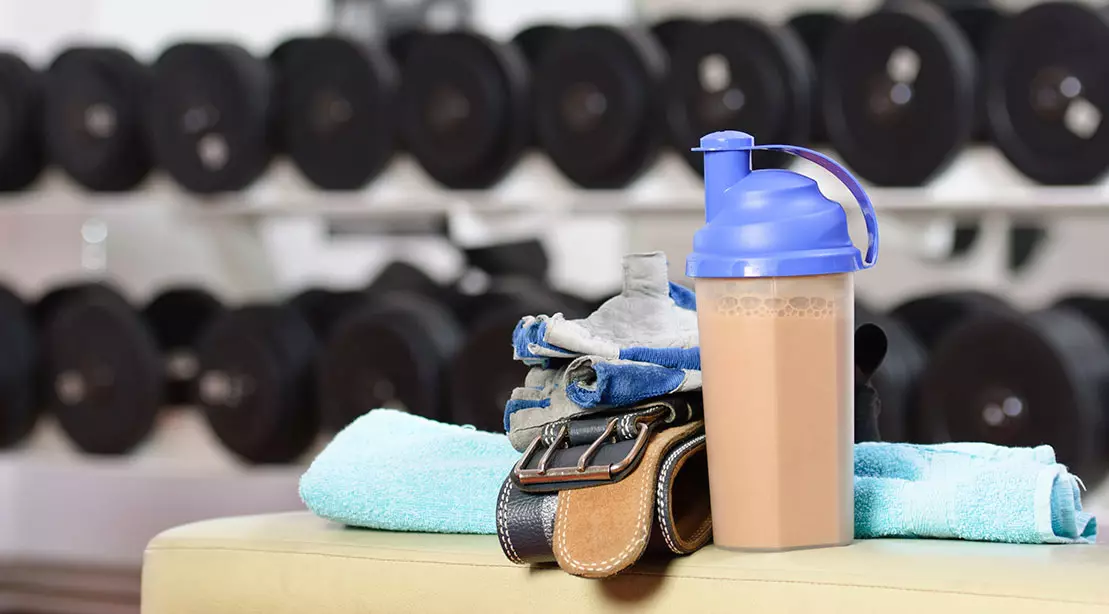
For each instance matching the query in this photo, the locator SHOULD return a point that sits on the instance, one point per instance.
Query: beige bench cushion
(298, 564)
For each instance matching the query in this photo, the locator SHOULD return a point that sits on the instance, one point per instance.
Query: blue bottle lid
(774, 222)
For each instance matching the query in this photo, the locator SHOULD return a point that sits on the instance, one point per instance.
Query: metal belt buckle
(543, 473)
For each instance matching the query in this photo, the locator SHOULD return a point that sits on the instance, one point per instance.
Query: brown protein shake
(778, 409)
(773, 269)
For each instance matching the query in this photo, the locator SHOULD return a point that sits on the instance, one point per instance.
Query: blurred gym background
(228, 228)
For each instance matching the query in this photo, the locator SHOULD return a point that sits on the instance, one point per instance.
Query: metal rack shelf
(1037, 202)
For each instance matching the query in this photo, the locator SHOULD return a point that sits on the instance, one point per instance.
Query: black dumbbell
(257, 381)
(390, 353)
(177, 317)
(464, 107)
(211, 116)
(931, 316)
(979, 21)
(597, 104)
(898, 93)
(108, 369)
(22, 155)
(533, 41)
(1093, 307)
(337, 101)
(742, 73)
(1045, 92)
(19, 402)
(93, 116)
(25, 388)
(415, 344)
(929, 319)
(815, 29)
(395, 351)
(1024, 380)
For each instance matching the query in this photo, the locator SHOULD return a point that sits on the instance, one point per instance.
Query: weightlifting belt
(594, 495)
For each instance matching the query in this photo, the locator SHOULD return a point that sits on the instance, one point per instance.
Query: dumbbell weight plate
(526, 258)
(402, 277)
(43, 310)
(739, 73)
(337, 107)
(931, 317)
(1048, 92)
(104, 372)
(49, 303)
(210, 116)
(178, 317)
(18, 402)
(22, 156)
(815, 29)
(596, 110)
(534, 40)
(279, 90)
(400, 43)
(898, 93)
(1094, 308)
(1018, 380)
(391, 354)
(929, 320)
(670, 32)
(464, 108)
(979, 21)
(256, 382)
(93, 117)
(323, 309)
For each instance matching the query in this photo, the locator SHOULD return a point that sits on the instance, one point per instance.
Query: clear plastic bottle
(775, 302)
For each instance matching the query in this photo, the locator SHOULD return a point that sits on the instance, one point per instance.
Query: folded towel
(391, 470)
(651, 320)
(395, 471)
(968, 491)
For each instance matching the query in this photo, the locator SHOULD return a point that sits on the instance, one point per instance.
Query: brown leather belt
(610, 490)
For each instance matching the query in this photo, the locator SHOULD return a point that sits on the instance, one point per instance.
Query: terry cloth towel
(395, 471)
(588, 384)
(652, 320)
(971, 491)
(375, 474)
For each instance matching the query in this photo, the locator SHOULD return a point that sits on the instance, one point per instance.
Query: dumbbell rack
(183, 475)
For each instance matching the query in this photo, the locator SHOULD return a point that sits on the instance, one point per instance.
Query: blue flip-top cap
(774, 222)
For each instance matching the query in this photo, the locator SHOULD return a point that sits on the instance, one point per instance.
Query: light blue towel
(391, 470)
(395, 471)
(970, 491)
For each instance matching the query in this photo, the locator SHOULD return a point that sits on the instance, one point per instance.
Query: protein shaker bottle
(775, 312)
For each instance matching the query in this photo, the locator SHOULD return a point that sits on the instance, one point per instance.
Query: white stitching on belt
(626, 431)
(660, 496)
(611, 563)
(502, 521)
